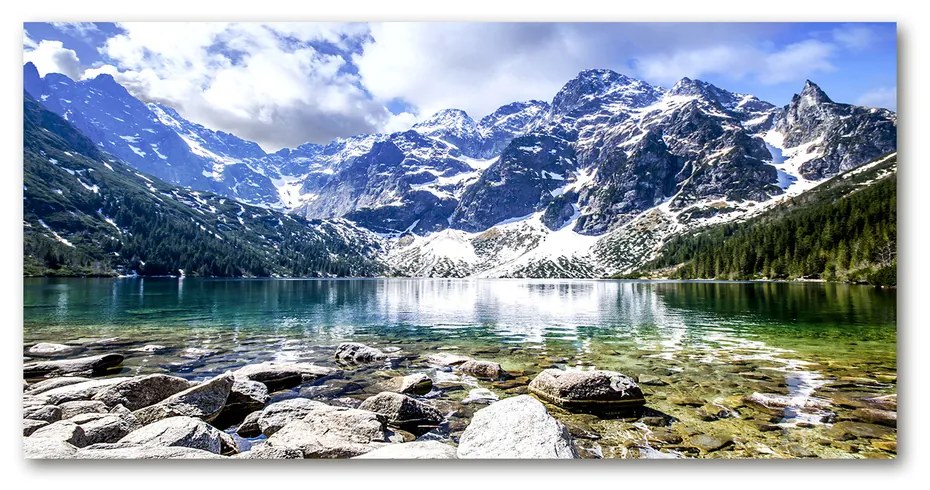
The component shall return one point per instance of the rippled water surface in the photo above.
(699, 348)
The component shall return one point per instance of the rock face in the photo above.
(516, 428)
(402, 410)
(412, 450)
(203, 401)
(483, 369)
(356, 353)
(412, 384)
(92, 365)
(142, 391)
(587, 390)
(177, 431)
(281, 375)
(332, 432)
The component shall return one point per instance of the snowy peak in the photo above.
(592, 88)
(447, 122)
(812, 94)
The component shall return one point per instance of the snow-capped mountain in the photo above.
(534, 188)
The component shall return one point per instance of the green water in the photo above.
(700, 344)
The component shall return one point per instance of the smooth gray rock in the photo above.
(402, 410)
(44, 448)
(516, 428)
(45, 413)
(136, 451)
(93, 365)
(50, 349)
(245, 397)
(446, 359)
(62, 431)
(104, 427)
(412, 384)
(333, 432)
(203, 401)
(142, 391)
(356, 353)
(52, 383)
(587, 390)
(78, 391)
(30, 426)
(277, 415)
(264, 451)
(482, 369)
(249, 426)
(777, 401)
(177, 431)
(480, 395)
(412, 450)
(78, 407)
(282, 375)
(149, 348)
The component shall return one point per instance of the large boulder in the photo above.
(142, 391)
(78, 391)
(92, 365)
(482, 369)
(52, 383)
(39, 448)
(356, 353)
(587, 390)
(412, 450)
(260, 450)
(62, 431)
(121, 450)
(78, 407)
(177, 431)
(202, 401)
(402, 410)
(244, 397)
(249, 426)
(333, 432)
(48, 349)
(412, 384)
(30, 426)
(516, 428)
(277, 415)
(282, 375)
(45, 413)
(104, 427)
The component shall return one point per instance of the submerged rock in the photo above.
(876, 416)
(356, 353)
(142, 391)
(774, 400)
(412, 450)
(709, 442)
(412, 384)
(844, 431)
(177, 431)
(93, 365)
(446, 359)
(50, 349)
(402, 410)
(282, 375)
(516, 428)
(587, 390)
(480, 395)
(482, 369)
(203, 401)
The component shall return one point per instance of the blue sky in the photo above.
(283, 84)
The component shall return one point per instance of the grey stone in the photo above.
(446, 359)
(776, 401)
(402, 410)
(78, 391)
(52, 383)
(282, 375)
(228, 444)
(277, 415)
(82, 365)
(876, 416)
(482, 369)
(264, 451)
(356, 353)
(480, 395)
(203, 401)
(136, 451)
(142, 391)
(62, 431)
(249, 426)
(587, 390)
(102, 428)
(30, 426)
(244, 397)
(710, 442)
(177, 431)
(50, 349)
(45, 413)
(78, 407)
(412, 384)
(412, 450)
(333, 432)
(516, 428)
(45, 448)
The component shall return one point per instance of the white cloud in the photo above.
(399, 122)
(52, 57)
(806, 57)
(886, 97)
(853, 36)
(262, 82)
(81, 30)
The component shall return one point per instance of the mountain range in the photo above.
(589, 184)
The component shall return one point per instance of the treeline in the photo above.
(843, 232)
(85, 214)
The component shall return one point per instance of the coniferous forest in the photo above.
(844, 230)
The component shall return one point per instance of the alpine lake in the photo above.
(709, 356)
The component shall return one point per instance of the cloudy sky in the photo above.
(284, 84)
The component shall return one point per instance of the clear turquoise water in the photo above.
(700, 338)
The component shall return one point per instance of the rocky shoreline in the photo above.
(84, 408)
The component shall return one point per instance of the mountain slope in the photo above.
(844, 229)
(86, 213)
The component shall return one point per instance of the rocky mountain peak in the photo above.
(454, 121)
(812, 94)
